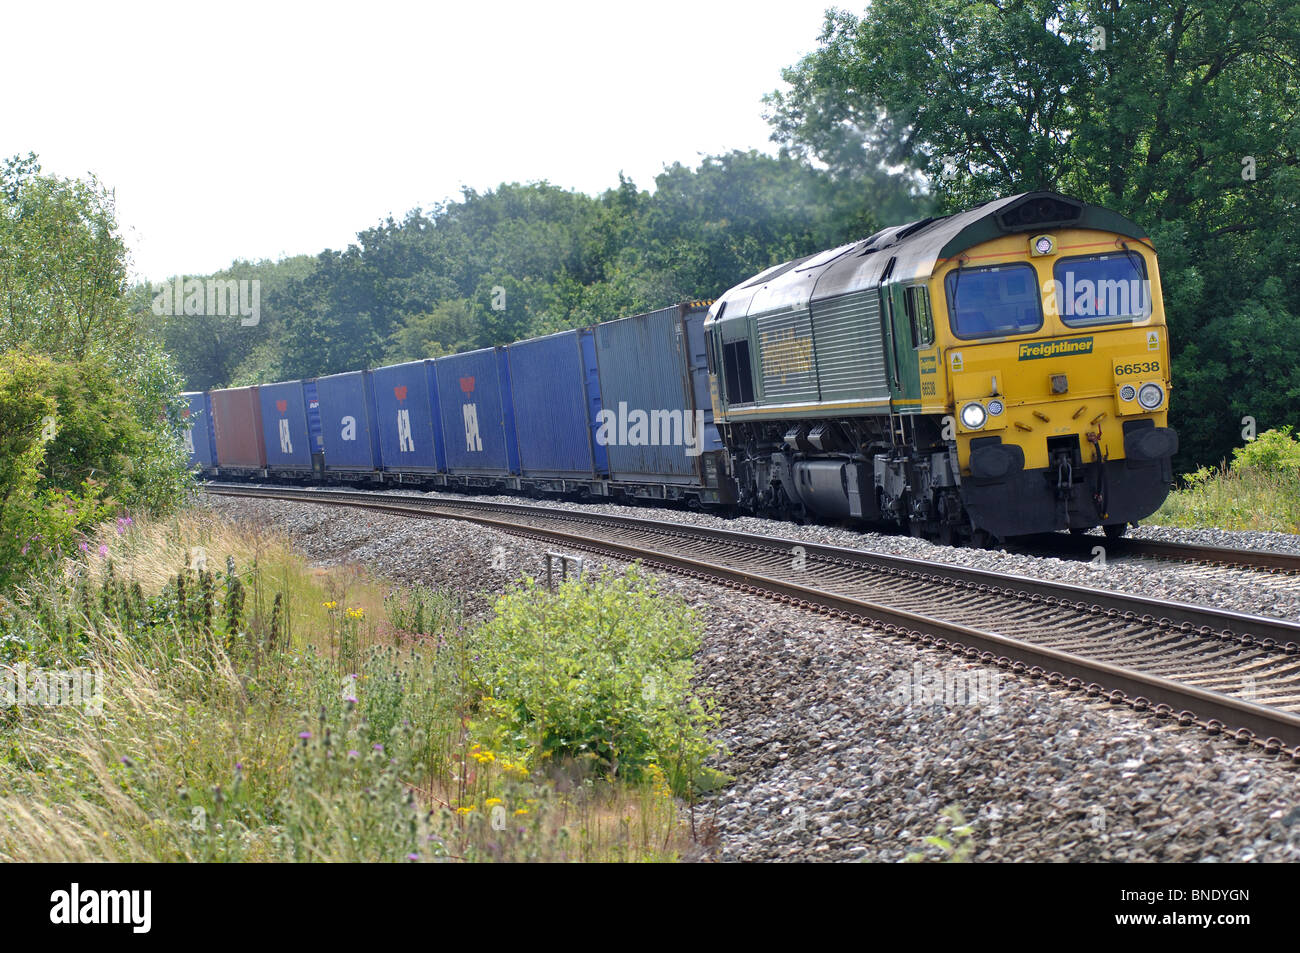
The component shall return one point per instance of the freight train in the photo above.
(999, 372)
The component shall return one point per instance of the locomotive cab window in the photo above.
(994, 301)
(736, 372)
(1102, 289)
(917, 302)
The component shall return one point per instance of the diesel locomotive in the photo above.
(995, 373)
(999, 372)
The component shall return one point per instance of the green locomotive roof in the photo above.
(911, 251)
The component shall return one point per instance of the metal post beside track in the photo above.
(564, 559)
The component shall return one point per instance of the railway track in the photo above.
(1230, 673)
(1082, 547)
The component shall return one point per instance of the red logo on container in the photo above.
(281, 405)
(467, 384)
(400, 392)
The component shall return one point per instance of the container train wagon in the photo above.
(998, 372)
(617, 411)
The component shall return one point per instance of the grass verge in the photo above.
(254, 708)
(1235, 499)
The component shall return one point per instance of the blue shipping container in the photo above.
(284, 426)
(555, 384)
(200, 440)
(410, 430)
(347, 416)
(654, 395)
(477, 413)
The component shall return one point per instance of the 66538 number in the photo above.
(1140, 367)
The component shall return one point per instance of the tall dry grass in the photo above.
(257, 708)
(1235, 498)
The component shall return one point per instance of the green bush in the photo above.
(47, 495)
(74, 444)
(1273, 451)
(598, 670)
(1235, 498)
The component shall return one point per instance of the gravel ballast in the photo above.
(846, 744)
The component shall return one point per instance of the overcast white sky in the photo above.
(258, 130)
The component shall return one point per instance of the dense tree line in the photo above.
(1182, 116)
(493, 267)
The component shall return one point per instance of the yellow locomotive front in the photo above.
(1053, 348)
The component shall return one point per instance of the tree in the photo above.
(62, 264)
(497, 266)
(212, 347)
(450, 327)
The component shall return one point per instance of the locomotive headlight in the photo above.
(995, 408)
(1041, 245)
(1151, 396)
(1127, 392)
(973, 416)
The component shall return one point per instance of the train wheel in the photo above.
(1115, 530)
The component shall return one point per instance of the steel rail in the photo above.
(1230, 557)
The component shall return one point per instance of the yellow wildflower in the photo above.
(330, 605)
(521, 812)
(492, 802)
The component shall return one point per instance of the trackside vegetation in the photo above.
(89, 415)
(252, 708)
(1258, 490)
